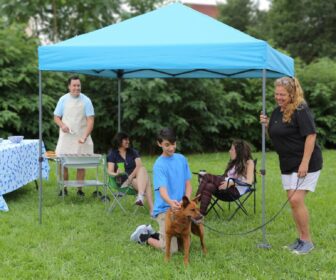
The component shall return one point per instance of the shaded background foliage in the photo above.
(206, 113)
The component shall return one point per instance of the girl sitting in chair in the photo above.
(240, 166)
(124, 159)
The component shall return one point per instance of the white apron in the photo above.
(74, 117)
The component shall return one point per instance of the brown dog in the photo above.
(181, 223)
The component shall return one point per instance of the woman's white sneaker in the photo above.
(140, 200)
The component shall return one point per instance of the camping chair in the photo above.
(227, 196)
(119, 194)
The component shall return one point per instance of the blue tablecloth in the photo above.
(19, 165)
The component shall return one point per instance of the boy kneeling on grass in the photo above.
(171, 176)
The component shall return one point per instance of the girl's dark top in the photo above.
(129, 163)
(289, 139)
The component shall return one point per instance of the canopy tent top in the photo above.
(173, 41)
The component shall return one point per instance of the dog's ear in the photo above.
(197, 199)
(185, 201)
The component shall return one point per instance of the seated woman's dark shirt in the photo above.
(128, 163)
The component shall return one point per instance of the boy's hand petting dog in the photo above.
(175, 205)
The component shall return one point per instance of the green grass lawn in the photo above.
(79, 239)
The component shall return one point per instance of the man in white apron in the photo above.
(74, 114)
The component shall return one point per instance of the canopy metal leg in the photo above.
(40, 147)
(119, 108)
(120, 74)
(264, 243)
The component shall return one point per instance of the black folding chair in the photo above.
(229, 195)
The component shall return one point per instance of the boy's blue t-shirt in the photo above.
(171, 173)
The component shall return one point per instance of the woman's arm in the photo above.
(250, 172)
(265, 120)
(110, 169)
(307, 152)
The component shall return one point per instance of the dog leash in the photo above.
(266, 223)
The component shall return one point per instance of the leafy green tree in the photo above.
(319, 84)
(139, 7)
(239, 14)
(306, 28)
(19, 86)
(57, 20)
(181, 104)
(206, 113)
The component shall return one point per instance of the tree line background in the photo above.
(206, 113)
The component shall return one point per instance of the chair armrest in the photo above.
(240, 182)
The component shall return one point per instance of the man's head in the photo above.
(74, 86)
(166, 139)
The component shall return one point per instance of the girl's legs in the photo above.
(207, 187)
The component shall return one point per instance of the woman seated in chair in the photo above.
(124, 159)
(240, 166)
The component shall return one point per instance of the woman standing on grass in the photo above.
(124, 159)
(293, 134)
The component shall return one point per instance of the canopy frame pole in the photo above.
(120, 74)
(264, 244)
(40, 147)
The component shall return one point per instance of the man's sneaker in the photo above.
(65, 192)
(294, 245)
(304, 248)
(150, 229)
(80, 193)
(140, 200)
(135, 236)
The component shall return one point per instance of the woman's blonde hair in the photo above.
(295, 92)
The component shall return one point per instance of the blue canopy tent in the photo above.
(174, 41)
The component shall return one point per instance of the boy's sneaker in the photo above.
(304, 248)
(150, 229)
(143, 238)
(294, 245)
(135, 236)
(140, 200)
